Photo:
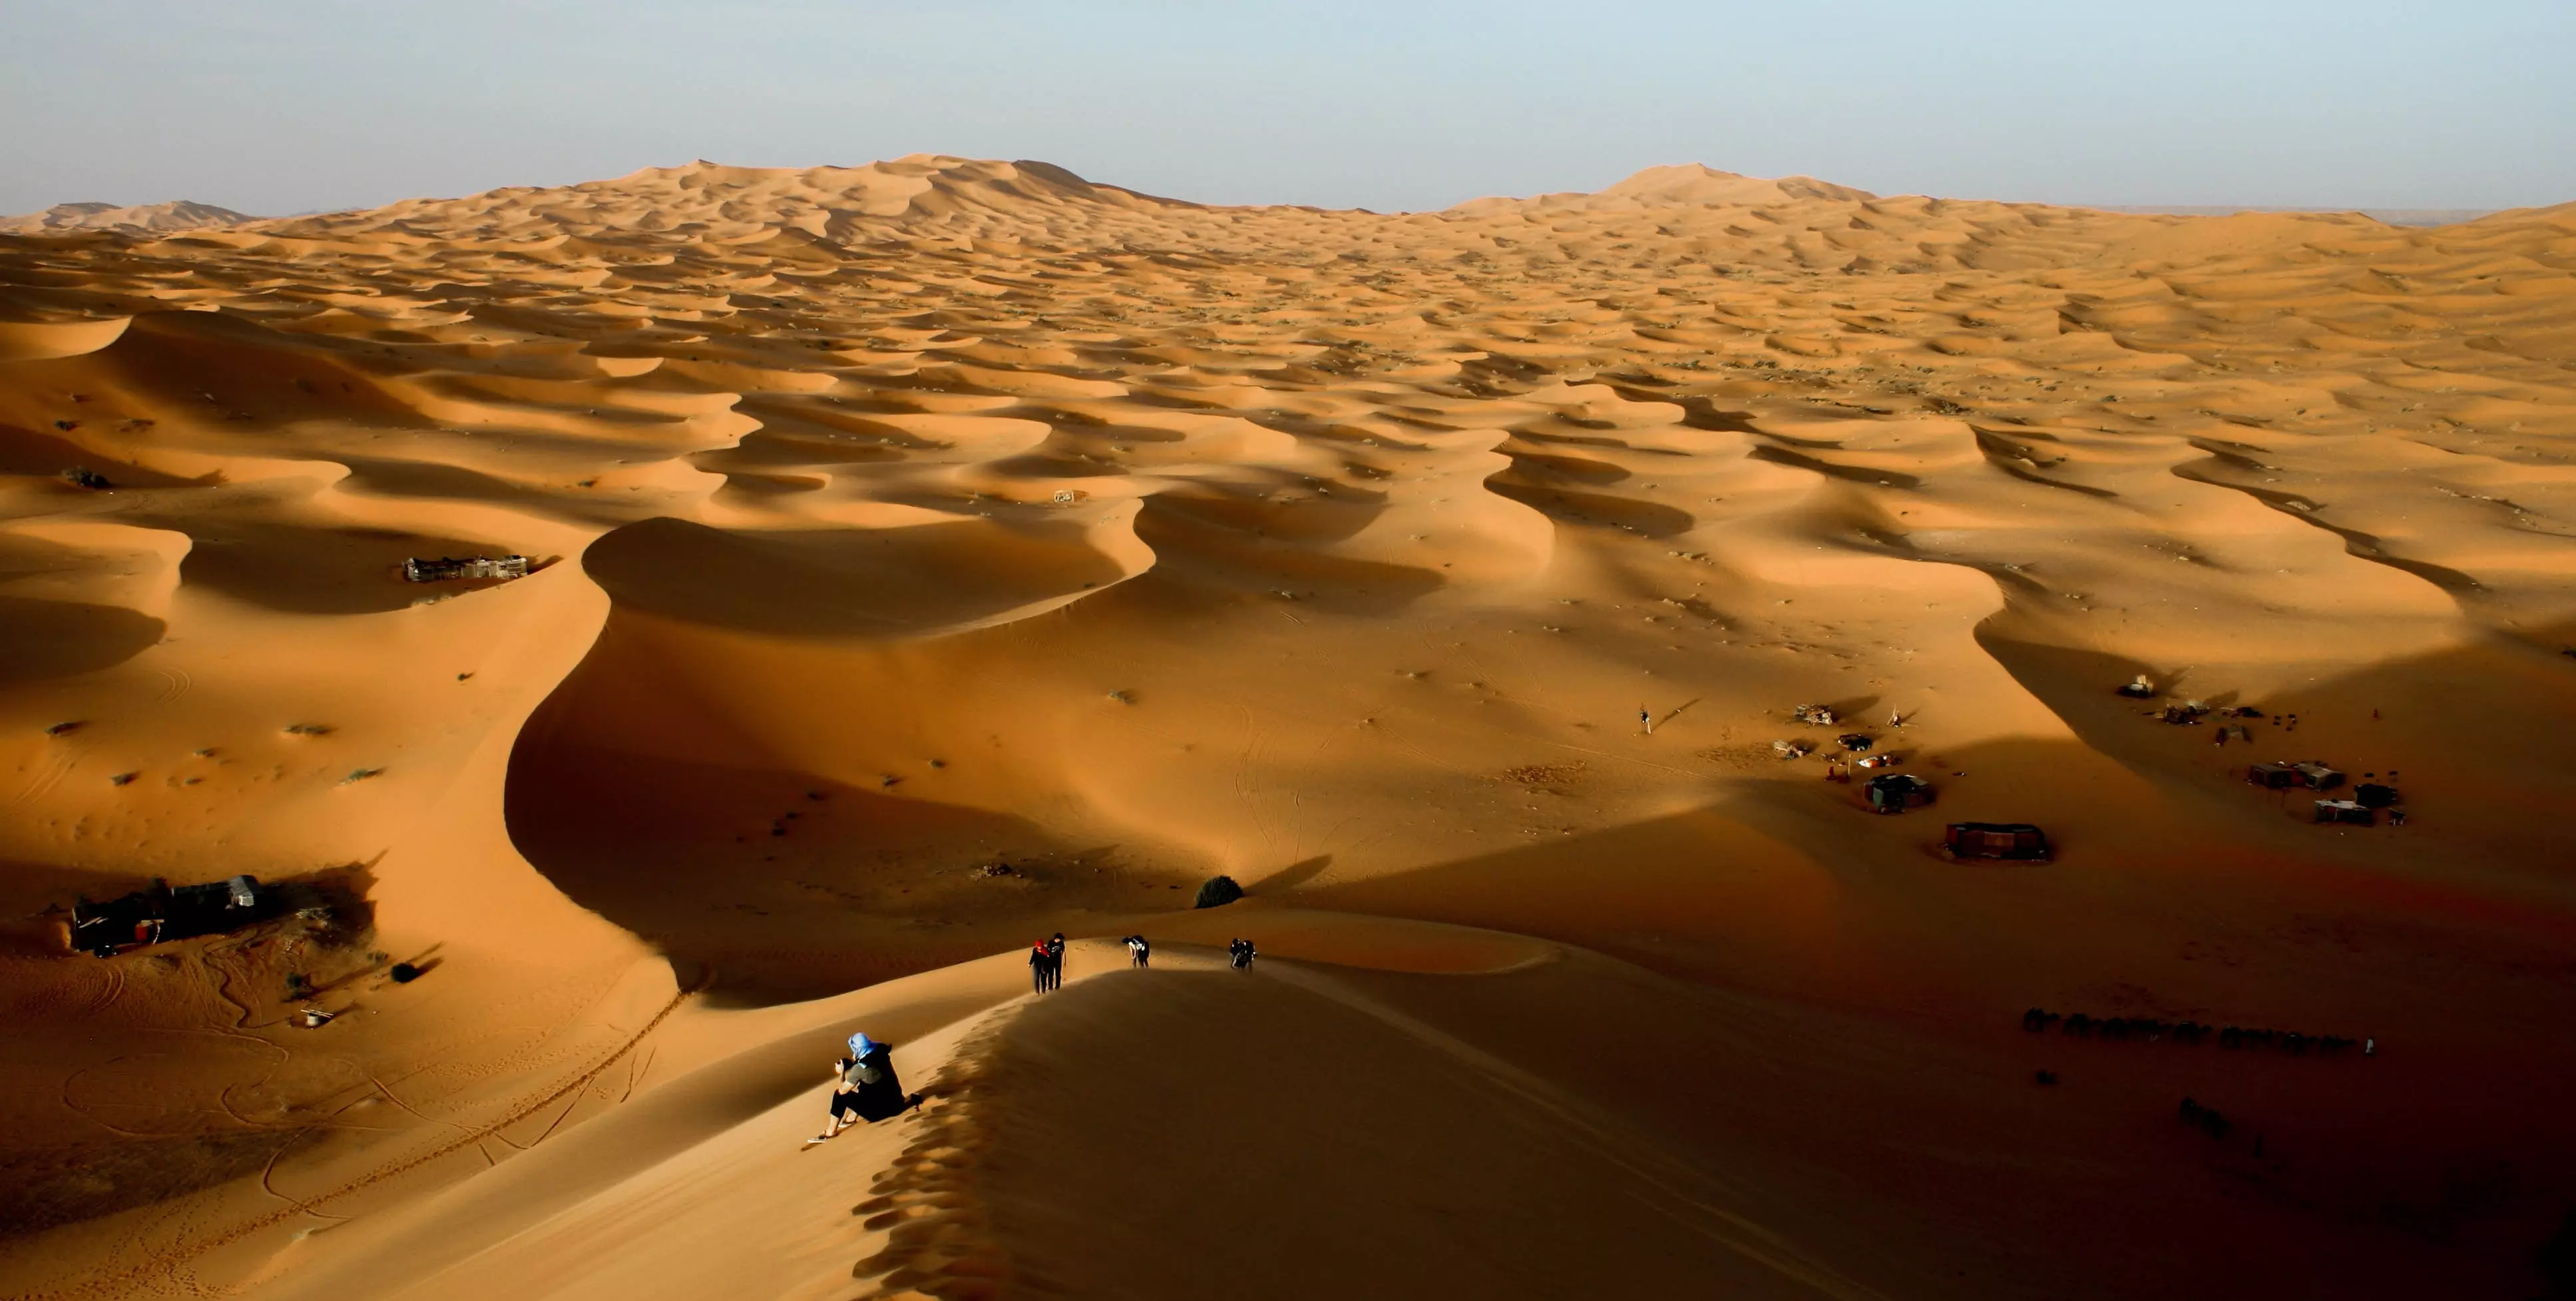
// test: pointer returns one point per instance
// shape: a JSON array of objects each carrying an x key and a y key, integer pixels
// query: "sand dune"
[
  {"x": 142, "y": 218},
  {"x": 939, "y": 553}
]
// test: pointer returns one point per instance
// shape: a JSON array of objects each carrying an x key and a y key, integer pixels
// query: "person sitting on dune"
[{"x": 865, "y": 1087}]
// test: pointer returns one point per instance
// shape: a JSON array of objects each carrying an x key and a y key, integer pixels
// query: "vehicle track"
[{"x": 167, "y": 1264}]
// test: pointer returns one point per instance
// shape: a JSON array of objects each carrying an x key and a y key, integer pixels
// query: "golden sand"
[{"x": 898, "y": 522}]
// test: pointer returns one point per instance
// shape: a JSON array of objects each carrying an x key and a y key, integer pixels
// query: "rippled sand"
[{"x": 896, "y": 522}]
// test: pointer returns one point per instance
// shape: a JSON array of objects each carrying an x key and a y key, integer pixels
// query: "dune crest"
[
  {"x": 139, "y": 219},
  {"x": 938, "y": 553},
  {"x": 1681, "y": 185}
]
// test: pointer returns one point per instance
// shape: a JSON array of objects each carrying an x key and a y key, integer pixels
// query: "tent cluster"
[
  {"x": 2148, "y": 1029},
  {"x": 417, "y": 570},
  {"x": 164, "y": 912},
  {"x": 2360, "y": 809}
]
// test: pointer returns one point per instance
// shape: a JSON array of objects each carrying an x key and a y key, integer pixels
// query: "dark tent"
[
  {"x": 2010, "y": 840},
  {"x": 2274, "y": 776},
  {"x": 1896, "y": 792},
  {"x": 163, "y": 913},
  {"x": 2318, "y": 776}
]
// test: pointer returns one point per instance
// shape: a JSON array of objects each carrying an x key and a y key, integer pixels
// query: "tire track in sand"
[{"x": 166, "y": 1264}]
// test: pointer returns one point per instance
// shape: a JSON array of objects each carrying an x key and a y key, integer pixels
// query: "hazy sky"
[{"x": 276, "y": 106}]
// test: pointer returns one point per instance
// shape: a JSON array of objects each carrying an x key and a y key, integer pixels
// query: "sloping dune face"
[{"x": 938, "y": 553}]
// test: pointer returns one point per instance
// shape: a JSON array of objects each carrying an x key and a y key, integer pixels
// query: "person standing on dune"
[
  {"x": 1139, "y": 952},
  {"x": 1055, "y": 961},
  {"x": 1040, "y": 962}
]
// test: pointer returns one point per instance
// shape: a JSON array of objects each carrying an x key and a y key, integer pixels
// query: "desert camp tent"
[
  {"x": 163, "y": 912},
  {"x": 1897, "y": 791},
  {"x": 417, "y": 570},
  {"x": 2008, "y": 840}
]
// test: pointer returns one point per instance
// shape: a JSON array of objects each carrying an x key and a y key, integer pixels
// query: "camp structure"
[
  {"x": 2019, "y": 841},
  {"x": 1896, "y": 792},
  {"x": 2346, "y": 811},
  {"x": 2284, "y": 776},
  {"x": 2141, "y": 689},
  {"x": 163, "y": 912},
  {"x": 1814, "y": 716},
  {"x": 417, "y": 570},
  {"x": 2372, "y": 795}
]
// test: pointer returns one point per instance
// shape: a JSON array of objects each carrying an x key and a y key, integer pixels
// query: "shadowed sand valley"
[{"x": 940, "y": 553}]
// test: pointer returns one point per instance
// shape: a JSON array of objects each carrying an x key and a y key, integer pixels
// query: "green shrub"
[{"x": 1218, "y": 891}]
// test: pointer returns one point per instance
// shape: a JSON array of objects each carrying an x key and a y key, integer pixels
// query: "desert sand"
[
  {"x": 136, "y": 219},
  {"x": 940, "y": 553}
]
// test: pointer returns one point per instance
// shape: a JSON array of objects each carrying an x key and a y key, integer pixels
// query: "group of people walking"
[
  {"x": 864, "y": 1084},
  {"x": 1046, "y": 963},
  {"x": 1046, "y": 958}
]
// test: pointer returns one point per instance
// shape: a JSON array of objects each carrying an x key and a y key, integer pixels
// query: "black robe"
[{"x": 880, "y": 1094}]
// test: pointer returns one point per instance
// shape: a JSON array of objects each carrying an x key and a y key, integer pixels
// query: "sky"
[{"x": 280, "y": 106}]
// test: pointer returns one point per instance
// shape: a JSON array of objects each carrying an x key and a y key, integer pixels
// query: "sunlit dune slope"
[
  {"x": 939, "y": 553},
  {"x": 1514, "y": 1119}
]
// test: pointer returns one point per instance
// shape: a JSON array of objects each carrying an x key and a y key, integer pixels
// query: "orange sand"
[{"x": 899, "y": 521}]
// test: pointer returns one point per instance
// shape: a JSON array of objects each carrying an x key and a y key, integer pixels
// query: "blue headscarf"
[{"x": 861, "y": 1045}]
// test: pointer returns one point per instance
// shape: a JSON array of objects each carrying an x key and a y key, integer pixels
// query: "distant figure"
[
  {"x": 1243, "y": 954},
  {"x": 1055, "y": 961},
  {"x": 1039, "y": 962},
  {"x": 1139, "y": 952},
  {"x": 2369, "y": 1047},
  {"x": 1645, "y": 721},
  {"x": 864, "y": 1087}
]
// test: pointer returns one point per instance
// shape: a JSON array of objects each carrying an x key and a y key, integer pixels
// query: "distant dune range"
[
  {"x": 153, "y": 218},
  {"x": 940, "y": 553}
]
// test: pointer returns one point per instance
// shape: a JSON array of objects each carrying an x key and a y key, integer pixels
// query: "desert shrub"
[{"x": 1218, "y": 891}]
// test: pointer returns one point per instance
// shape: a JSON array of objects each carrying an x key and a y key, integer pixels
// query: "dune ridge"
[
  {"x": 142, "y": 218},
  {"x": 941, "y": 552}
]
